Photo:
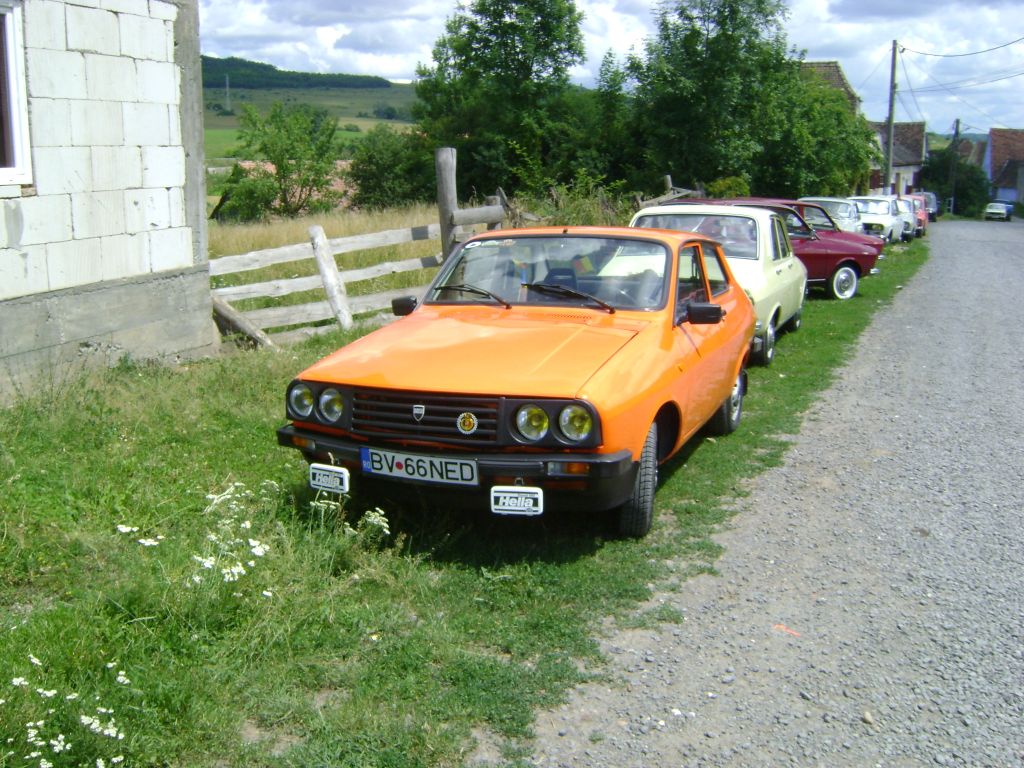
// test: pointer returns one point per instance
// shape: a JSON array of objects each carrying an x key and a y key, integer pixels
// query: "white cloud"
[{"x": 390, "y": 39}]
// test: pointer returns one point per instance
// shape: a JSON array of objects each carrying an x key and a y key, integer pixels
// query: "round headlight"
[
  {"x": 332, "y": 405},
  {"x": 575, "y": 422},
  {"x": 300, "y": 400},
  {"x": 532, "y": 422}
]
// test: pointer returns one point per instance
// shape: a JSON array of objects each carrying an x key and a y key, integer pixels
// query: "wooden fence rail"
[{"x": 338, "y": 305}]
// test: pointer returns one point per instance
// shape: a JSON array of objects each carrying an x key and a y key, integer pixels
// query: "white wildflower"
[
  {"x": 71, "y": 696},
  {"x": 46, "y": 694},
  {"x": 266, "y": 593},
  {"x": 234, "y": 573},
  {"x": 245, "y": 524},
  {"x": 149, "y": 542},
  {"x": 19, "y": 682},
  {"x": 34, "y": 660},
  {"x": 122, "y": 678},
  {"x": 205, "y": 562},
  {"x": 122, "y": 528},
  {"x": 257, "y": 548},
  {"x": 59, "y": 744}
]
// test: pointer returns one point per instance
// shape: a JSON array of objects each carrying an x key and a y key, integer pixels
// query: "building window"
[{"x": 15, "y": 165}]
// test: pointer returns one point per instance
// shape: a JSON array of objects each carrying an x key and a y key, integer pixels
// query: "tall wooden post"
[{"x": 447, "y": 198}]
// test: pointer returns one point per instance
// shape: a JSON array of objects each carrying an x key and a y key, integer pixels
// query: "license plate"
[
  {"x": 517, "y": 500},
  {"x": 325, "y": 477},
  {"x": 413, "y": 466}
]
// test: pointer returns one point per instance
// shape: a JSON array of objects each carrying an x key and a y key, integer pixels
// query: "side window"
[
  {"x": 15, "y": 167},
  {"x": 691, "y": 278},
  {"x": 717, "y": 280},
  {"x": 782, "y": 246}
]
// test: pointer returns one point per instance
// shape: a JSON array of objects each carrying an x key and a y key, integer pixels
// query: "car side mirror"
[
  {"x": 703, "y": 313},
  {"x": 403, "y": 305}
]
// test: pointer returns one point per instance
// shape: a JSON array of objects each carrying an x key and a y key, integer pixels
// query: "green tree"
[
  {"x": 390, "y": 168},
  {"x": 499, "y": 77},
  {"x": 294, "y": 166},
  {"x": 949, "y": 176},
  {"x": 813, "y": 142},
  {"x": 702, "y": 84}
]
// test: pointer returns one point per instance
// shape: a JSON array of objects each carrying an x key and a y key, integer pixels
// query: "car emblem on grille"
[
  {"x": 418, "y": 412},
  {"x": 467, "y": 423}
]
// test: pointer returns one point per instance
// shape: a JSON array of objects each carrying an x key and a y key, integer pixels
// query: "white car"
[
  {"x": 844, "y": 212},
  {"x": 998, "y": 210},
  {"x": 880, "y": 216},
  {"x": 760, "y": 256},
  {"x": 909, "y": 216}
]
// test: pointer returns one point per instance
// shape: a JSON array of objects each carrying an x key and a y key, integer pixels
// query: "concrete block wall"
[
  {"x": 108, "y": 164},
  {"x": 115, "y": 199}
]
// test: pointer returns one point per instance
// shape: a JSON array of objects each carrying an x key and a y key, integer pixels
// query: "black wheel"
[
  {"x": 728, "y": 415},
  {"x": 636, "y": 514},
  {"x": 767, "y": 353},
  {"x": 843, "y": 283},
  {"x": 794, "y": 323}
]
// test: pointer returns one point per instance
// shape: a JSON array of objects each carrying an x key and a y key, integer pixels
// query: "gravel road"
[{"x": 869, "y": 607}]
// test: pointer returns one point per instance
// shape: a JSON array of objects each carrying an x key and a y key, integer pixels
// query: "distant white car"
[
  {"x": 760, "y": 256},
  {"x": 844, "y": 212},
  {"x": 880, "y": 216},
  {"x": 998, "y": 211}
]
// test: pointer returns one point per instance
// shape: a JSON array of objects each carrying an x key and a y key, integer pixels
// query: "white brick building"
[{"x": 102, "y": 207}]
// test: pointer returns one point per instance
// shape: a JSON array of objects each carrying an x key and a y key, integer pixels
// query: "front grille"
[{"x": 392, "y": 415}]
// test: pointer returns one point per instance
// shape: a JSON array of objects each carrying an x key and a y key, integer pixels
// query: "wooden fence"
[{"x": 337, "y": 304}]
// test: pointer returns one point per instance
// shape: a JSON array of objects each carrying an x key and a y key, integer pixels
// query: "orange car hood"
[{"x": 482, "y": 350}]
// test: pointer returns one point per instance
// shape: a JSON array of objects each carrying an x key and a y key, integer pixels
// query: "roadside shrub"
[{"x": 729, "y": 186}]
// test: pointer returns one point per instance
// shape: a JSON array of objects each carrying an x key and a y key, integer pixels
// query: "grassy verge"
[{"x": 170, "y": 593}]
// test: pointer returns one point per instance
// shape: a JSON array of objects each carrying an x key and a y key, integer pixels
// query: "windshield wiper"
[
  {"x": 467, "y": 288},
  {"x": 562, "y": 290}
]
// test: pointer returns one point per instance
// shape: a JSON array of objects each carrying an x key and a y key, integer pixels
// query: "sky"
[{"x": 958, "y": 59}]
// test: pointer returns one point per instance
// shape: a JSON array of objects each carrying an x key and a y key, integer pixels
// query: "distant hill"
[{"x": 251, "y": 74}]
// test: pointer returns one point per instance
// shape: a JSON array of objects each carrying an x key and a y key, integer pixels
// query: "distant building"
[
  {"x": 910, "y": 150},
  {"x": 1004, "y": 163},
  {"x": 103, "y": 230}
]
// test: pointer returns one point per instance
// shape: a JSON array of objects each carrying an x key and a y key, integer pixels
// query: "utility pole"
[
  {"x": 955, "y": 162},
  {"x": 227, "y": 92},
  {"x": 891, "y": 125}
]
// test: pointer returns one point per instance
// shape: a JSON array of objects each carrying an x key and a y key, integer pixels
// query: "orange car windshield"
[{"x": 608, "y": 272}]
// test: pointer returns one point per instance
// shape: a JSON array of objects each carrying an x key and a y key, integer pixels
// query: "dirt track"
[{"x": 869, "y": 607}]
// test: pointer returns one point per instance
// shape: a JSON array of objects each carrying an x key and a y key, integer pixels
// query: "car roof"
[
  {"x": 672, "y": 237},
  {"x": 708, "y": 208}
]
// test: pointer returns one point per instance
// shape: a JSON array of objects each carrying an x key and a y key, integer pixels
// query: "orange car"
[{"x": 546, "y": 369}]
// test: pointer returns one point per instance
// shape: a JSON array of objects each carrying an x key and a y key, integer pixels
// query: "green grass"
[{"x": 350, "y": 639}]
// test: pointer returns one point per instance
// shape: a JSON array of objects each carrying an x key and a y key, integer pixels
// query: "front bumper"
[{"x": 570, "y": 481}]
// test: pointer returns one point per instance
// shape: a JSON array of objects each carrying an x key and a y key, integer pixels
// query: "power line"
[
  {"x": 958, "y": 55},
  {"x": 969, "y": 83}
]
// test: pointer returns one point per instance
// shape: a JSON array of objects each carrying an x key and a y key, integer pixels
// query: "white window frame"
[{"x": 18, "y": 169}]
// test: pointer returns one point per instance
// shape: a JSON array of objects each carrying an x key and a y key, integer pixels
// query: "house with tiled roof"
[
  {"x": 1004, "y": 163},
  {"x": 832, "y": 73},
  {"x": 910, "y": 150}
]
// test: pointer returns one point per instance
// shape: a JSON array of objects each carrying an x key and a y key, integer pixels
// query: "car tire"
[
  {"x": 843, "y": 283},
  {"x": 636, "y": 515},
  {"x": 767, "y": 353},
  {"x": 727, "y": 417}
]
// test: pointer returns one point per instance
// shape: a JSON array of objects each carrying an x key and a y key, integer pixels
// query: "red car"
[{"x": 836, "y": 260}]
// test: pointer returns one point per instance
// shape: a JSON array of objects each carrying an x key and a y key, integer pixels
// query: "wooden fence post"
[
  {"x": 334, "y": 287},
  {"x": 447, "y": 196}
]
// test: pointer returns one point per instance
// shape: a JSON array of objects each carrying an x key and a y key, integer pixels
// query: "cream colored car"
[{"x": 760, "y": 255}]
